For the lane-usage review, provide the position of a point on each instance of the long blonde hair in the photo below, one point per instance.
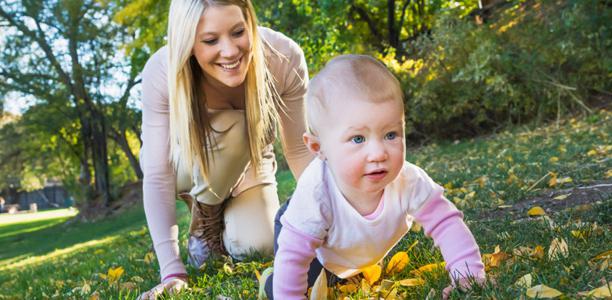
(190, 129)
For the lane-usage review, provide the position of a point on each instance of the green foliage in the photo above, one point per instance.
(533, 61)
(63, 56)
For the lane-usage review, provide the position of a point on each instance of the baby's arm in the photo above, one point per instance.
(444, 223)
(293, 257)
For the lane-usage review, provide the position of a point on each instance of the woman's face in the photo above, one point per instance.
(223, 45)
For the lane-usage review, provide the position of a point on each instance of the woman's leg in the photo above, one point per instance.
(249, 221)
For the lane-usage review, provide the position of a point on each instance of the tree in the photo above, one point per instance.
(65, 53)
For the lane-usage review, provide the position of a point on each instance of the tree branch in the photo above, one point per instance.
(403, 16)
(42, 43)
(363, 14)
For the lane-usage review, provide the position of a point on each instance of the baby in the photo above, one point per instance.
(360, 197)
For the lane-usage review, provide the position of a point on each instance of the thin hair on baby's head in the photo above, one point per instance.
(345, 75)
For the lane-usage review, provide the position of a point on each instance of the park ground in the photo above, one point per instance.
(538, 200)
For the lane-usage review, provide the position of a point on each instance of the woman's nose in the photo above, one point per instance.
(228, 49)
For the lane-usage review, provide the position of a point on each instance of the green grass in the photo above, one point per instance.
(49, 259)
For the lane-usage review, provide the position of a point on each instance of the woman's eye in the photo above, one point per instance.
(391, 135)
(238, 33)
(210, 42)
(358, 139)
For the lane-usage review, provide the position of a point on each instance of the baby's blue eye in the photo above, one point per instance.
(391, 135)
(358, 139)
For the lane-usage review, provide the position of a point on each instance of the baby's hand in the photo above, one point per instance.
(171, 285)
(463, 284)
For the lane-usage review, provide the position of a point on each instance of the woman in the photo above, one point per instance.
(212, 100)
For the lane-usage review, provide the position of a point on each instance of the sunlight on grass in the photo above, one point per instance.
(26, 227)
(59, 252)
(6, 219)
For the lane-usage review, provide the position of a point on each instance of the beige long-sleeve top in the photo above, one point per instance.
(289, 70)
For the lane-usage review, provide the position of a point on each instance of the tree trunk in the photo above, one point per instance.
(100, 156)
(121, 139)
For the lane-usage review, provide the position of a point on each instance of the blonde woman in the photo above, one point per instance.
(213, 99)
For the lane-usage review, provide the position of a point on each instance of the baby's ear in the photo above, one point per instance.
(312, 143)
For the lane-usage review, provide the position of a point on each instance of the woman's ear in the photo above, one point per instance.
(312, 143)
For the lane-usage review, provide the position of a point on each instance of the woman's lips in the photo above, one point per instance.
(230, 66)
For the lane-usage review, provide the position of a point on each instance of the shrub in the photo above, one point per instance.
(532, 61)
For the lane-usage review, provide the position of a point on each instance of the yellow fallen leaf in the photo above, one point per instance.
(609, 173)
(553, 179)
(94, 296)
(348, 288)
(512, 178)
(592, 152)
(536, 211)
(603, 255)
(227, 269)
(365, 286)
(558, 249)
(579, 234)
(319, 289)
(524, 282)
(412, 282)
(538, 252)
(564, 180)
(543, 291)
(148, 258)
(561, 197)
(495, 259)
(429, 267)
(386, 285)
(522, 251)
(371, 273)
(553, 159)
(114, 274)
(397, 263)
(600, 292)
(482, 181)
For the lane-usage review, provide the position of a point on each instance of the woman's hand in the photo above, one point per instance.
(463, 284)
(171, 285)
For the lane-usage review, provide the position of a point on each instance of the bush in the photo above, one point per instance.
(533, 61)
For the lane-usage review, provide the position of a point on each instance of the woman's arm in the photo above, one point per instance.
(159, 179)
(288, 67)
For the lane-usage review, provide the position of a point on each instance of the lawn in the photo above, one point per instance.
(500, 182)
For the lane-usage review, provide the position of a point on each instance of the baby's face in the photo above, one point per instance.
(363, 142)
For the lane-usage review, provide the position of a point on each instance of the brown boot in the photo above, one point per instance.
(205, 232)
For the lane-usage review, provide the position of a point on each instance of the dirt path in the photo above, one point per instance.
(556, 200)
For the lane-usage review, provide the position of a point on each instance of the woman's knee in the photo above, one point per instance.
(249, 221)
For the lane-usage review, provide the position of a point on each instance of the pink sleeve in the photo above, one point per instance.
(159, 179)
(444, 223)
(293, 257)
